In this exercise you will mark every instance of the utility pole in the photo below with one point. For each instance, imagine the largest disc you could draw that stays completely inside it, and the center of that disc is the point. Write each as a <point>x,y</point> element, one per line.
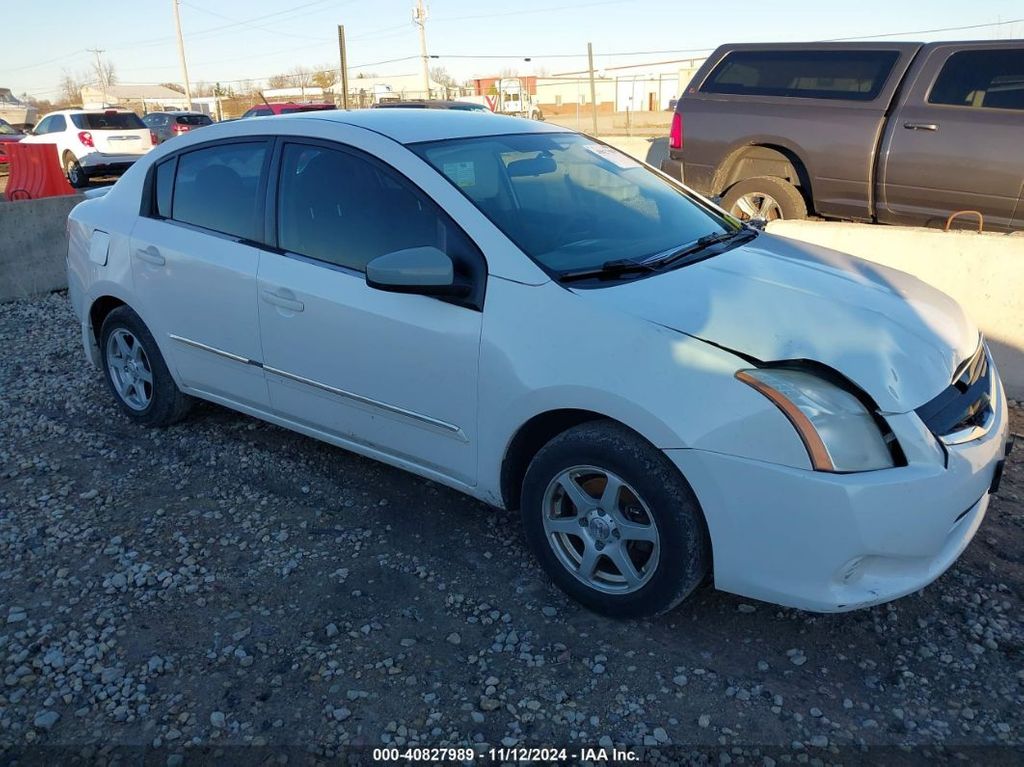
<point>419,16</point>
<point>593,88</point>
<point>101,73</point>
<point>181,56</point>
<point>344,66</point>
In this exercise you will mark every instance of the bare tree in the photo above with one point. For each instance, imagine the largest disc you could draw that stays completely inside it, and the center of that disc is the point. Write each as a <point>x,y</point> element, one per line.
<point>279,81</point>
<point>440,76</point>
<point>70,88</point>
<point>104,72</point>
<point>300,77</point>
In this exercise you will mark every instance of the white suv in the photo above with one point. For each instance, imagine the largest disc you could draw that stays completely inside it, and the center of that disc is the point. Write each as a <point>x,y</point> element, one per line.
<point>94,142</point>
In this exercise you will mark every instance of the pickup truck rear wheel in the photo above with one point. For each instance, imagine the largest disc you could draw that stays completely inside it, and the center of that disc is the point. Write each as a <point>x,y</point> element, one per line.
<point>765,197</point>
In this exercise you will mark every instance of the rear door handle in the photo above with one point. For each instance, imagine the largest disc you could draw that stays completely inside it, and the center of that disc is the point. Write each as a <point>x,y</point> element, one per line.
<point>150,255</point>
<point>921,126</point>
<point>285,302</point>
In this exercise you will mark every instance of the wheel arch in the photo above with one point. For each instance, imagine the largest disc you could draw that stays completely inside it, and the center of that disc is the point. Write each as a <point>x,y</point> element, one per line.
<point>99,309</point>
<point>764,159</point>
<point>534,434</point>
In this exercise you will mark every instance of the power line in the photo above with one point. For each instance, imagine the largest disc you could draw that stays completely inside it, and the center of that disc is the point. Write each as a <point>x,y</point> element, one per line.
<point>244,23</point>
<point>923,31</point>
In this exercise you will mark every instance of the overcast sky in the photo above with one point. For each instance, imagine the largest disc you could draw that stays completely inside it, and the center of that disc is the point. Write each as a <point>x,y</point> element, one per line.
<point>230,40</point>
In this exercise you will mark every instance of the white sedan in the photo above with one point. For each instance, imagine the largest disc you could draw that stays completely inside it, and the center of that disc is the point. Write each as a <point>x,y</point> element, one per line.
<point>529,316</point>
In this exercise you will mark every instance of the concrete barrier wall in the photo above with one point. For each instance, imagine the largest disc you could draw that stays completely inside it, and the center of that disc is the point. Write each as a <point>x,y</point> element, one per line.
<point>33,245</point>
<point>983,272</point>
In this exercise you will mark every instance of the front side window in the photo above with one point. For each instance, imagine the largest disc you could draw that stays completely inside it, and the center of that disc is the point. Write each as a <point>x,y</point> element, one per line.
<point>852,75</point>
<point>44,126</point>
<point>6,129</point>
<point>57,124</point>
<point>345,210</point>
<point>569,203</point>
<point>218,188</point>
<point>992,79</point>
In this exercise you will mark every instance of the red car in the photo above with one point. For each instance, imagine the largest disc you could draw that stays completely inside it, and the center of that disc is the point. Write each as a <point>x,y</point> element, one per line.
<point>8,135</point>
<point>263,110</point>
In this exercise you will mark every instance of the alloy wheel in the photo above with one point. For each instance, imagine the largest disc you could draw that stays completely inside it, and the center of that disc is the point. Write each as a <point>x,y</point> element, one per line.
<point>757,205</point>
<point>601,530</point>
<point>130,369</point>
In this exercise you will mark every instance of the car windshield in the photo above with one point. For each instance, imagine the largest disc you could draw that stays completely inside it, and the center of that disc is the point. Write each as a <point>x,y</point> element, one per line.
<point>570,203</point>
<point>107,121</point>
<point>6,129</point>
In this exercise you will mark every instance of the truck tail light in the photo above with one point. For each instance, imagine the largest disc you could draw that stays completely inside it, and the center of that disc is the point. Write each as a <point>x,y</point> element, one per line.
<point>675,137</point>
<point>86,138</point>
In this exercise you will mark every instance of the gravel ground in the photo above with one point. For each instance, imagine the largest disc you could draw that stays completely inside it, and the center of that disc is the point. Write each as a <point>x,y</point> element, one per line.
<point>226,582</point>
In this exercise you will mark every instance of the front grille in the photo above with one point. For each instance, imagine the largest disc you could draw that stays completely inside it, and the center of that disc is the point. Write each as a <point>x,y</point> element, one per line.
<point>965,406</point>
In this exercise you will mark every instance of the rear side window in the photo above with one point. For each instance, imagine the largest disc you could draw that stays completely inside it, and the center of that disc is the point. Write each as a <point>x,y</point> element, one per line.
<point>217,188</point>
<point>992,79</point>
<point>848,74</point>
<point>107,121</point>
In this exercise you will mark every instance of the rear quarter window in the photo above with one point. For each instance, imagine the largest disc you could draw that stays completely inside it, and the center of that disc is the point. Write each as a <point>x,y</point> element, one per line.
<point>851,75</point>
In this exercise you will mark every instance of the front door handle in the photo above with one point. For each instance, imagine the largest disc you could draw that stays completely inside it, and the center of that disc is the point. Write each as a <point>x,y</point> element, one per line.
<point>285,302</point>
<point>921,126</point>
<point>150,255</point>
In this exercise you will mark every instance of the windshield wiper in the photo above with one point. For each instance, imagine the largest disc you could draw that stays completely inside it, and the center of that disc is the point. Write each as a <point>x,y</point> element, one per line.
<point>608,270</point>
<point>702,244</point>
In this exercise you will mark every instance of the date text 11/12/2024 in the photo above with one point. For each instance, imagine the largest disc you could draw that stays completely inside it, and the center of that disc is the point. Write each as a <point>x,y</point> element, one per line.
<point>502,755</point>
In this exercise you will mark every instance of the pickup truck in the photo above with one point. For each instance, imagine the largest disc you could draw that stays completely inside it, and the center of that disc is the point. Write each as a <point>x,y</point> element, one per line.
<point>896,133</point>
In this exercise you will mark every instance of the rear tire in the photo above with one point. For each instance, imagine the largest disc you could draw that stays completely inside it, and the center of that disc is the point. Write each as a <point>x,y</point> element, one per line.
<point>613,522</point>
<point>766,197</point>
<point>74,171</point>
<point>136,372</point>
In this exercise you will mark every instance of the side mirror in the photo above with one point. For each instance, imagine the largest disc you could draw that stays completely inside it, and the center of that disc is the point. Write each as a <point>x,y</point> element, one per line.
<point>757,223</point>
<point>424,270</point>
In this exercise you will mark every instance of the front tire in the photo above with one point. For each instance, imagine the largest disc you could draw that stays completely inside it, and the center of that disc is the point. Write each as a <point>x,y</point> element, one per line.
<point>613,522</point>
<point>765,197</point>
<point>136,372</point>
<point>74,171</point>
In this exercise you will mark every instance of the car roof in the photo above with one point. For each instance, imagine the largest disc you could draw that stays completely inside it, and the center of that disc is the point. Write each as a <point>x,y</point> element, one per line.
<point>410,126</point>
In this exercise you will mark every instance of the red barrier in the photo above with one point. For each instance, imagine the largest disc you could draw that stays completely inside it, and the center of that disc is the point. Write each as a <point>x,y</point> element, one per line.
<point>35,172</point>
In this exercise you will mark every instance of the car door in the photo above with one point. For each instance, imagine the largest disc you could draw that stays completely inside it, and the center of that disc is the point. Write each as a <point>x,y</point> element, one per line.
<point>393,374</point>
<point>194,265</point>
<point>955,143</point>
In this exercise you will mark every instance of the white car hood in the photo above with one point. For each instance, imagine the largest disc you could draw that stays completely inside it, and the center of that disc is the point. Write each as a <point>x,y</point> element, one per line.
<point>776,299</point>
